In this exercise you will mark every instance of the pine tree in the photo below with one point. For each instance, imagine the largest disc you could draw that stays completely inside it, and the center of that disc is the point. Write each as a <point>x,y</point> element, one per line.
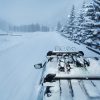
<point>89,21</point>
<point>71,23</point>
<point>96,35</point>
<point>97,15</point>
<point>80,24</point>
<point>59,26</point>
<point>65,28</point>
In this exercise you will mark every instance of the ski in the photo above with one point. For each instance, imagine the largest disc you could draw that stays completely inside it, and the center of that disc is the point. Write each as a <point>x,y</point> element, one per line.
<point>91,93</point>
<point>71,88</point>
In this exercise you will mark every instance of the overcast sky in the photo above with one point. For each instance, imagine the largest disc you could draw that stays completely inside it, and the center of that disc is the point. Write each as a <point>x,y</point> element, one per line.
<point>41,11</point>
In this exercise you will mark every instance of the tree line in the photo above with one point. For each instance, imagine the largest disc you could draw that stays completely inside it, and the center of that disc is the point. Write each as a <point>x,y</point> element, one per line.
<point>29,28</point>
<point>83,26</point>
<point>7,27</point>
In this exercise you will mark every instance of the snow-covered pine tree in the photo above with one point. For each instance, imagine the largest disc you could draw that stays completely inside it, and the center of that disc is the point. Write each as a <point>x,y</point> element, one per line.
<point>80,24</point>
<point>89,21</point>
<point>64,29</point>
<point>59,27</point>
<point>71,23</point>
<point>96,35</point>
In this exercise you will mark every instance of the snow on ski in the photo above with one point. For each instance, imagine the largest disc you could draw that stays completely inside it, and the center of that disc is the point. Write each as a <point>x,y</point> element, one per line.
<point>65,90</point>
<point>90,90</point>
<point>89,86</point>
<point>78,91</point>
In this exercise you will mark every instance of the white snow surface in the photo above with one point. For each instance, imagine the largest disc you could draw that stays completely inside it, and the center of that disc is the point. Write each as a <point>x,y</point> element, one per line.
<point>18,78</point>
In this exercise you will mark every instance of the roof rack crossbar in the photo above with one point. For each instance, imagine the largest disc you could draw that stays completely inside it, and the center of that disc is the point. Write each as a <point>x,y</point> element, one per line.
<point>78,78</point>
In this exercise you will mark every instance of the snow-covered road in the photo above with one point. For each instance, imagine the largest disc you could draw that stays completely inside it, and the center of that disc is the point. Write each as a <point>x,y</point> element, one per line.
<point>18,78</point>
